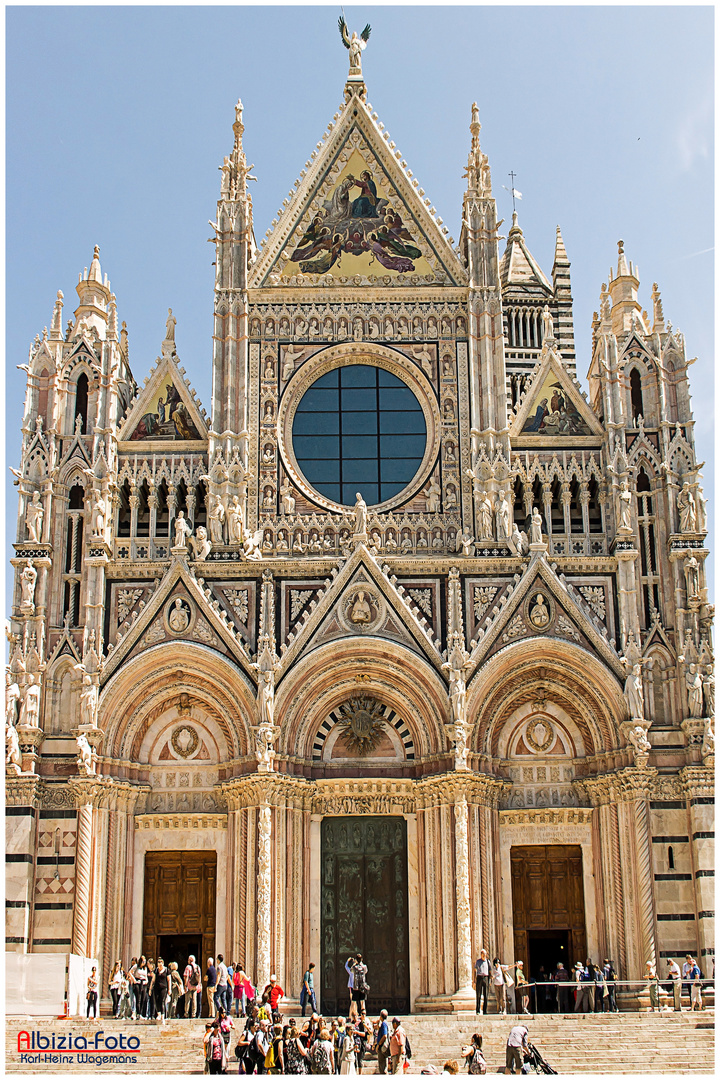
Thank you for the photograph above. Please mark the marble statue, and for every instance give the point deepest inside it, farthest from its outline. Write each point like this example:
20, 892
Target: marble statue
466, 542
88, 702
709, 690
634, 694
354, 44
28, 581
182, 531
201, 546
360, 515
235, 521
170, 324
34, 517
686, 506
485, 516
97, 515
216, 518
708, 743
265, 737
520, 540
432, 493
12, 698
625, 497
360, 612
287, 497
694, 687
692, 580
13, 757
637, 737
548, 331
536, 526
86, 755
179, 619
252, 544
266, 697
700, 511
502, 512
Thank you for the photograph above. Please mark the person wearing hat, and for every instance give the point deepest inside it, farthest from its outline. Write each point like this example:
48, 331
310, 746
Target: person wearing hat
397, 1047
523, 987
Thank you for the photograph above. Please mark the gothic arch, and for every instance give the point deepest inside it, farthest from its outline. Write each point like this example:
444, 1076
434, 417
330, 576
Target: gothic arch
142, 690
581, 685
327, 676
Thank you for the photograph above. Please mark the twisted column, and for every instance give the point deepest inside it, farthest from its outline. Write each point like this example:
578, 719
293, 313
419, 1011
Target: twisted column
644, 876
111, 899
462, 894
264, 894
617, 888
81, 912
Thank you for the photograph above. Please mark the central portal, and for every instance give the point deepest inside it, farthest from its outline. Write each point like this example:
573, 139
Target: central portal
364, 906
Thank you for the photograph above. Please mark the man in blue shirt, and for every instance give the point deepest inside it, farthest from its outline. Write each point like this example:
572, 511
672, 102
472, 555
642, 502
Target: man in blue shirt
307, 994
482, 979
382, 1042
211, 981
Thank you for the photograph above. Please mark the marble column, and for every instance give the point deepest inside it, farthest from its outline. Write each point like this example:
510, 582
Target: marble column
83, 868
464, 996
264, 895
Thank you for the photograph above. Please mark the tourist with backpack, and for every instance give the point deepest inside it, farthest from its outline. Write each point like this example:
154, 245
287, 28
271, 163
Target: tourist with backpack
359, 988
695, 979
322, 1056
297, 1058
193, 986
477, 1066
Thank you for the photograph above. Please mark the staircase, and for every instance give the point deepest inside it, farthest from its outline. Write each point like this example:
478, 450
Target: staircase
665, 1042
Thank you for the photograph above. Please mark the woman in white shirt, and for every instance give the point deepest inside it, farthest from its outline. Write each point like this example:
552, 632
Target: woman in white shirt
114, 986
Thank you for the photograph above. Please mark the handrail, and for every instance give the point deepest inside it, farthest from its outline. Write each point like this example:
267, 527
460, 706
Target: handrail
623, 986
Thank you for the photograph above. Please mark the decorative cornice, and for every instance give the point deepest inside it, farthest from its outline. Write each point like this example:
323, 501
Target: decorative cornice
698, 781
568, 815
158, 822
22, 791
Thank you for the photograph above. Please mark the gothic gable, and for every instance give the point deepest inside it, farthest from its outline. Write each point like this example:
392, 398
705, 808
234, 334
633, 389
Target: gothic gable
361, 601
541, 604
166, 410
356, 217
553, 405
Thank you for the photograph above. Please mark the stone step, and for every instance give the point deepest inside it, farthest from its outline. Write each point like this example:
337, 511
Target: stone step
621, 1043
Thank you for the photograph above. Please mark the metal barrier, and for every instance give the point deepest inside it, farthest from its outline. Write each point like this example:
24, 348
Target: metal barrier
622, 995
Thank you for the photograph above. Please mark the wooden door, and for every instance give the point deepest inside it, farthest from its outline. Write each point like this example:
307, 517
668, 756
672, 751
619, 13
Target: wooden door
180, 897
364, 908
547, 892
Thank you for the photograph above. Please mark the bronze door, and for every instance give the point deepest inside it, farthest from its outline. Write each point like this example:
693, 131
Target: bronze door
180, 897
547, 892
364, 906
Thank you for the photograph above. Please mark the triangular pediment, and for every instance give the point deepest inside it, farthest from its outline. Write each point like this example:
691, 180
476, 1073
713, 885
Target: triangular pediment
542, 605
362, 601
356, 217
180, 609
552, 404
165, 410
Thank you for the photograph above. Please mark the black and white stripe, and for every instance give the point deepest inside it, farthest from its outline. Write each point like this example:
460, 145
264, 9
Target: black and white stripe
390, 717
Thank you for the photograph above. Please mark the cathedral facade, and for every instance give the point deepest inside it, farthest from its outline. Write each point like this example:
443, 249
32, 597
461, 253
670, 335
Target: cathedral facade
404, 647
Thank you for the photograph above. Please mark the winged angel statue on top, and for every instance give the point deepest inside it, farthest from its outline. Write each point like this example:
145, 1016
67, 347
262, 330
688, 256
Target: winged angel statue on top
354, 45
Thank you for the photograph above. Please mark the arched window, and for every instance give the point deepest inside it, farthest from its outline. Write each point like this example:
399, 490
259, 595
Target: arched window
636, 398
73, 555
648, 553
81, 401
43, 390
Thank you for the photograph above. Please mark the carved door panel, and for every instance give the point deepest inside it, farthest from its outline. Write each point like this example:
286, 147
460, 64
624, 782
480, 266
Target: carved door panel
364, 909
547, 892
180, 897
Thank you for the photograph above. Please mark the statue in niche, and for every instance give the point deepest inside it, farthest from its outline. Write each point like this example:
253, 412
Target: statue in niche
269, 370
536, 527
266, 696
637, 737
182, 531
216, 517
709, 690
282, 544
694, 687
548, 331
634, 693
88, 701
692, 580
30, 708
179, 617
97, 515
700, 511
625, 499
235, 521
688, 512
502, 514
466, 542
360, 611
485, 517
34, 517
28, 581
539, 613
268, 455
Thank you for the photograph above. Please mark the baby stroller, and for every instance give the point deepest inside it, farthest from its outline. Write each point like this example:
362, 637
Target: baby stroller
534, 1062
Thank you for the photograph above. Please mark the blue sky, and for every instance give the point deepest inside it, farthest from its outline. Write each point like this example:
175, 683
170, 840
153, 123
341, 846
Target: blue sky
118, 118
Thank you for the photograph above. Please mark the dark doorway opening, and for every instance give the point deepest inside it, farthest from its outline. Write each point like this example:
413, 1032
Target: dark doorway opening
177, 947
546, 948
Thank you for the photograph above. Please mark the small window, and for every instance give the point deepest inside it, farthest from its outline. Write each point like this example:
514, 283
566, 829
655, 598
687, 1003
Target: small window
81, 400
636, 399
671, 859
